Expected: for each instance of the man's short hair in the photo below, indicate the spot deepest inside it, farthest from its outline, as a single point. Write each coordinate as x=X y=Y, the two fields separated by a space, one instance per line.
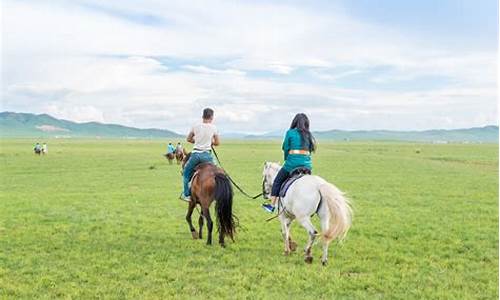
x=208 y=113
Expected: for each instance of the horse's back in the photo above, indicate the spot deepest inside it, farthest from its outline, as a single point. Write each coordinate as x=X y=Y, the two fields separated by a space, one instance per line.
x=303 y=197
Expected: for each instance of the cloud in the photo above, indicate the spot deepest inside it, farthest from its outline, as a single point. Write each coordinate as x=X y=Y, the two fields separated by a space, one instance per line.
x=206 y=70
x=256 y=63
x=81 y=113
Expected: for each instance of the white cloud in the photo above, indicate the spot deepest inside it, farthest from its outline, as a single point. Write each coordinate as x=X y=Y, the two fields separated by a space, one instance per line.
x=80 y=113
x=206 y=70
x=82 y=64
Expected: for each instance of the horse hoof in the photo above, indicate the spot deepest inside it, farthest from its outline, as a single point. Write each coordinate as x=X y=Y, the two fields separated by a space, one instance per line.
x=223 y=245
x=286 y=253
x=324 y=263
x=194 y=234
x=308 y=259
x=293 y=246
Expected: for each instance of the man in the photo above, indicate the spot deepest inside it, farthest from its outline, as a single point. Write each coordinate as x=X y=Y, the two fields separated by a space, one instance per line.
x=44 y=148
x=38 y=148
x=178 y=147
x=203 y=136
x=170 y=148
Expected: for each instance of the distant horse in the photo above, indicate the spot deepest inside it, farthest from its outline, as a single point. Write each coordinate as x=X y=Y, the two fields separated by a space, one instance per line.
x=37 y=151
x=210 y=183
x=170 y=157
x=307 y=196
x=180 y=153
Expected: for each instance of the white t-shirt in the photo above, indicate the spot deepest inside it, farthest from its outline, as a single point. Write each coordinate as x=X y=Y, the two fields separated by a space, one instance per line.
x=203 y=134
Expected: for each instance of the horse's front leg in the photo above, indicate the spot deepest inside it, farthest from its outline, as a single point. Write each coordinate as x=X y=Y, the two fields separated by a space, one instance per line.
x=200 y=222
x=206 y=213
x=191 y=207
x=285 y=230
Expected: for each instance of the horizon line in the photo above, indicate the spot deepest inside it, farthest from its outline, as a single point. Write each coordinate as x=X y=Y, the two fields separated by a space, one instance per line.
x=255 y=133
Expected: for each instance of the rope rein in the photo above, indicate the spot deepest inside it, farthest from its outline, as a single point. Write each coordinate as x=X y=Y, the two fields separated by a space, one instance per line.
x=231 y=179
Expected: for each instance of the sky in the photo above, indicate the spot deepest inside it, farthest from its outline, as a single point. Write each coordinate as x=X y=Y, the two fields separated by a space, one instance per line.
x=365 y=64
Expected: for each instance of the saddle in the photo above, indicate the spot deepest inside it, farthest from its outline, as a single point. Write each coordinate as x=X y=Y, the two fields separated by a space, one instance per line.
x=294 y=175
x=197 y=169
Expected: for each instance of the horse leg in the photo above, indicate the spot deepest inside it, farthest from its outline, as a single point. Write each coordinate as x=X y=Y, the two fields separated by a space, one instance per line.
x=200 y=222
x=188 y=219
x=292 y=245
x=221 y=239
x=306 y=222
x=285 y=230
x=206 y=213
x=325 y=224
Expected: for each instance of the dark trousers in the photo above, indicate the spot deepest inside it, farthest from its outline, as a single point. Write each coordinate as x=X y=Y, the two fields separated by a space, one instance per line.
x=278 y=181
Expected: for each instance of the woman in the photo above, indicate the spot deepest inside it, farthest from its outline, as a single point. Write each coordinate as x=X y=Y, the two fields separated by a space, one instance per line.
x=297 y=147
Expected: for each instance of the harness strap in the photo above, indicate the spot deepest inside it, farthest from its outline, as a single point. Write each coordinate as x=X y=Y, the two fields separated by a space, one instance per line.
x=232 y=181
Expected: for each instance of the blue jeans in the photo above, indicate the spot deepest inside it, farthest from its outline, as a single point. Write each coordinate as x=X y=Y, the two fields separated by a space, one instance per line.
x=195 y=159
x=278 y=181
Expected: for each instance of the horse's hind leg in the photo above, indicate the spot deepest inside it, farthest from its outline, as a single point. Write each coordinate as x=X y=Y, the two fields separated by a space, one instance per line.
x=325 y=224
x=191 y=207
x=306 y=222
x=206 y=213
x=200 y=222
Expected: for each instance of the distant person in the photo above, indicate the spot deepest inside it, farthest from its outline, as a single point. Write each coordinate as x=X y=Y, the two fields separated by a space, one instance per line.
x=178 y=148
x=45 y=150
x=297 y=147
x=37 y=148
x=170 y=148
x=203 y=136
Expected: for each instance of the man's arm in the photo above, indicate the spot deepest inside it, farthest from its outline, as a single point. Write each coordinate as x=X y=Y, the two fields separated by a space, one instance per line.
x=215 y=140
x=190 y=137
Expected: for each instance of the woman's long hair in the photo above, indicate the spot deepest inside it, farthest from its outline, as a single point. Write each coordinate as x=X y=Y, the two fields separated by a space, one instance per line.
x=301 y=123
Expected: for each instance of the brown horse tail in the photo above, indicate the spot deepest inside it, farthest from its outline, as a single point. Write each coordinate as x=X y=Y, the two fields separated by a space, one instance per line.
x=224 y=205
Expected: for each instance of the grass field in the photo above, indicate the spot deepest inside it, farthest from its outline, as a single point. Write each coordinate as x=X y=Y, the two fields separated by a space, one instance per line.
x=101 y=219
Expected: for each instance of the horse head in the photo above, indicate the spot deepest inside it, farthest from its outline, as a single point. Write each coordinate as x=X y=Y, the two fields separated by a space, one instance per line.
x=185 y=159
x=269 y=174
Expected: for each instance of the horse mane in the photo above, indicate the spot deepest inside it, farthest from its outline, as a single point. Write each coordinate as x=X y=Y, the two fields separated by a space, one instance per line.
x=273 y=165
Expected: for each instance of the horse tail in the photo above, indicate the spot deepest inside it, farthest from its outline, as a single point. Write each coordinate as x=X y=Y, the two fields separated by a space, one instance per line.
x=224 y=205
x=340 y=211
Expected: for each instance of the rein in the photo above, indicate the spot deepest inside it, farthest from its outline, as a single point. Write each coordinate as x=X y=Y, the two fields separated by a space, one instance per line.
x=232 y=181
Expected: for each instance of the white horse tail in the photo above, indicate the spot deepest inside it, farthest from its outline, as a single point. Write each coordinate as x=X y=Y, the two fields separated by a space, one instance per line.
x=340 y=211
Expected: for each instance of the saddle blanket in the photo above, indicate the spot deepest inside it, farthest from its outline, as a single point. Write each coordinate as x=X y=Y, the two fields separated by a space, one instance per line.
x=295 y=174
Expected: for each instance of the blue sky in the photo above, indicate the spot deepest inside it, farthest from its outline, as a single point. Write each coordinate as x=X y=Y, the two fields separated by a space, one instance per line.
x=400 y=65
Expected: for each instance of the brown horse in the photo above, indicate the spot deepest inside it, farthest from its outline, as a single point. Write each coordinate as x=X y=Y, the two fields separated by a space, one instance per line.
x=210 y=183
x=170 y=157
x=180 y=154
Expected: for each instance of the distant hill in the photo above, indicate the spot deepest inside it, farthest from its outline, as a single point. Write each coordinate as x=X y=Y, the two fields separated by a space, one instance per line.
x=30 y=125
x=487 y=134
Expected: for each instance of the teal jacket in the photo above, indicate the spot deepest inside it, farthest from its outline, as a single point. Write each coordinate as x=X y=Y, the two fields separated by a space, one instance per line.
x=293 y=141
x=170 y=149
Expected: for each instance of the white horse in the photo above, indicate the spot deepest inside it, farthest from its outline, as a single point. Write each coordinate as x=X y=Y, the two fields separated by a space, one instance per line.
x=307 y=196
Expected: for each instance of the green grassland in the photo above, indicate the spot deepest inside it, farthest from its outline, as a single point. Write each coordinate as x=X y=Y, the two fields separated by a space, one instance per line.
x=101 y=219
